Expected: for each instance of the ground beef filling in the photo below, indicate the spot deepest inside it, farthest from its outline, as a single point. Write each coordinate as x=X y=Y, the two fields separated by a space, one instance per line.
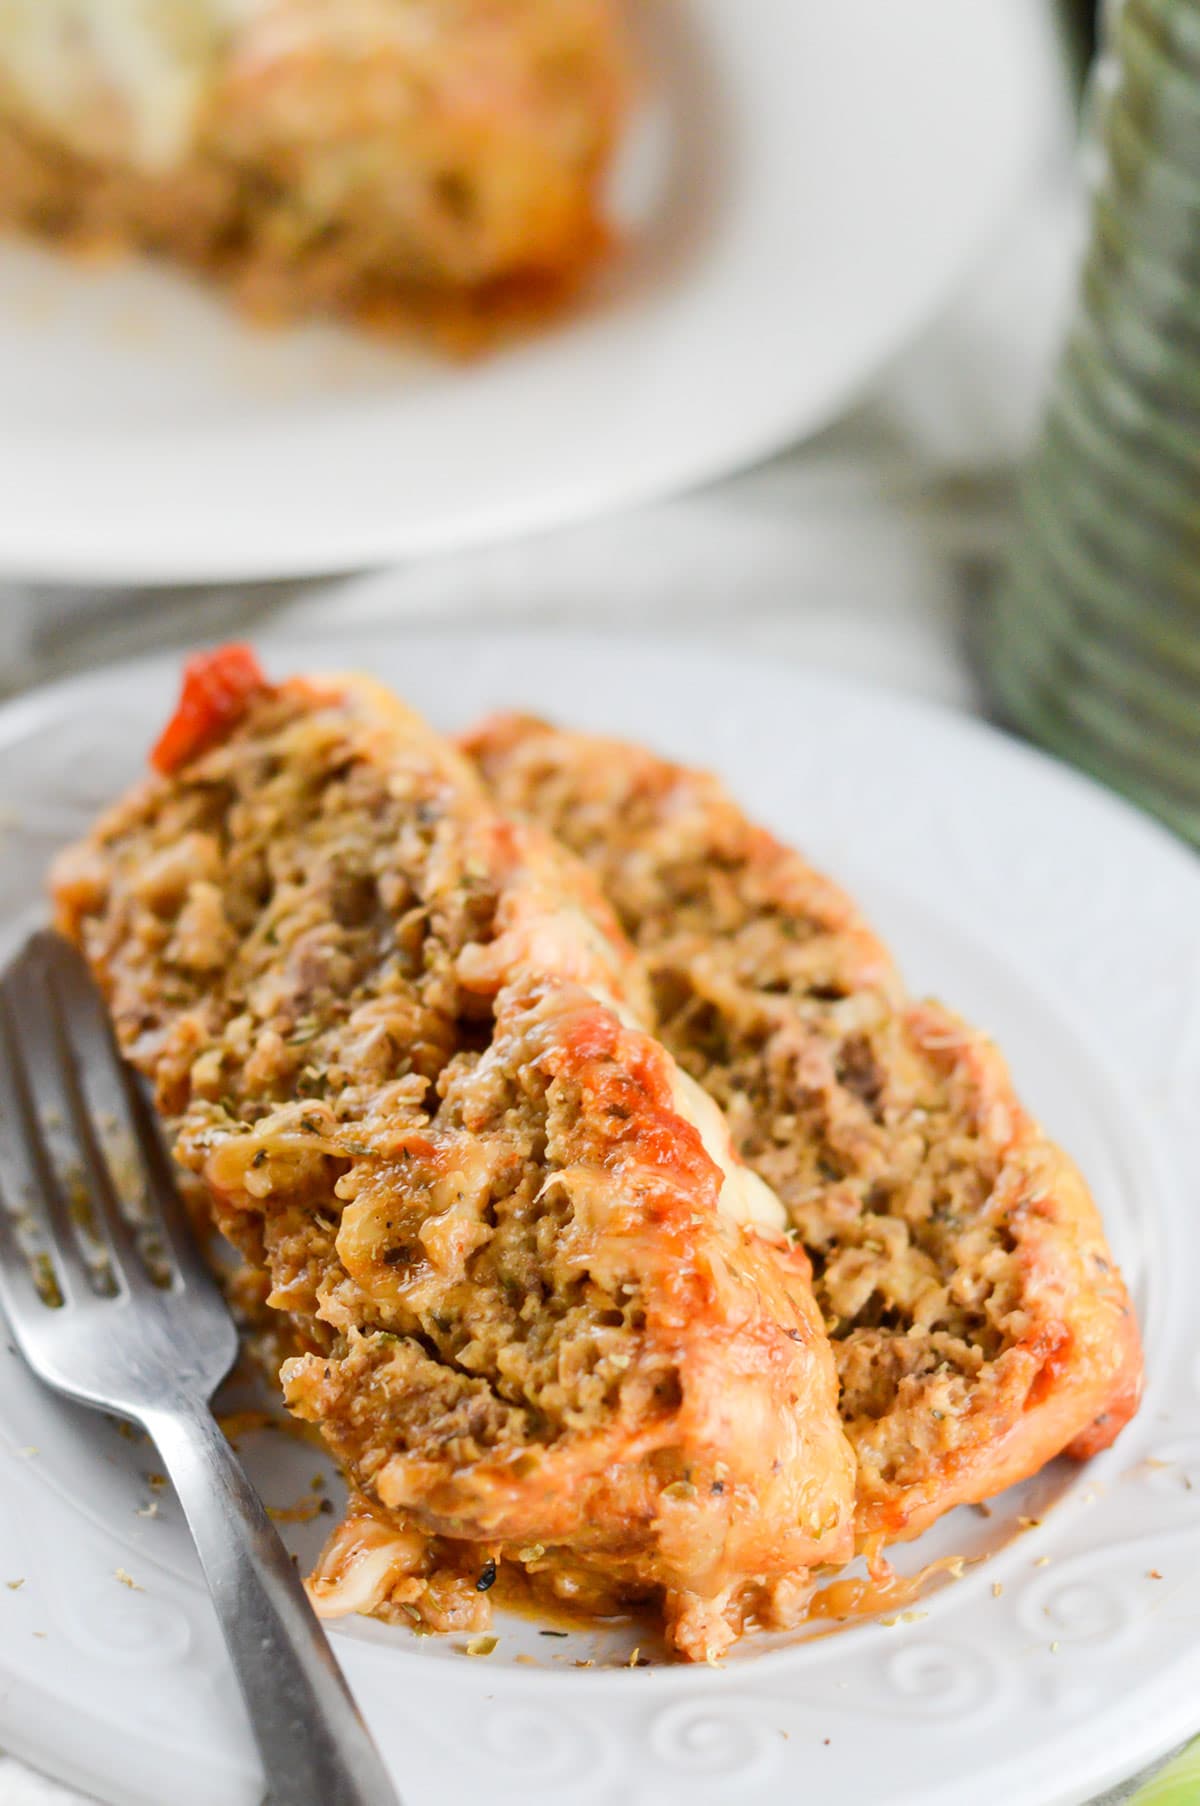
x=298 y=923
x=396 y=1037
x=892 y=1191
x=849 y=1102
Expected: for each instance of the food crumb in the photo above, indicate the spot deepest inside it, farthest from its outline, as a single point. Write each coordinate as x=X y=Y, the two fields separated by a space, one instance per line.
x=14 y=1586
x=997 y=1588
x=912 y=1617
x=827 y=1740
x=302 y=1512
x=1030 y=1523
x=127 y=1580
x=1043 y=1561
x=588 y=1664
x=482 y=1646
x=148 y=1510
x=1152 y=1574
x=39 y=1633
x=1054 y=1649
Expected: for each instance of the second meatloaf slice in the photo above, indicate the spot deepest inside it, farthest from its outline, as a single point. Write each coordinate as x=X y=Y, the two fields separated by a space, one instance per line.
x=979 y=1320
x=541 y=1314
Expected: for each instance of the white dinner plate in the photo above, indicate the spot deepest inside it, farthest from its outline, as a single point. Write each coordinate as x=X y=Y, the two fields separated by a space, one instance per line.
x=802 y=184
x=1066 y=1656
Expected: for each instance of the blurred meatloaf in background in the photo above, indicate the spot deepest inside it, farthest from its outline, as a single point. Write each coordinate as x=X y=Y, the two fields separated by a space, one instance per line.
x=438 y=161
x=978 y=1318
x=540 y=1312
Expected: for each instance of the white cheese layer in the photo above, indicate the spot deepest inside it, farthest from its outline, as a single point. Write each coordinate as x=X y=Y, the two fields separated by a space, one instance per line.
x=115 y=79
x=744 y=1196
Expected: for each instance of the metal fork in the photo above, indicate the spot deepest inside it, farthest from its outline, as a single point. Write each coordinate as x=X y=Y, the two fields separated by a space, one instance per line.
x=111 y=1303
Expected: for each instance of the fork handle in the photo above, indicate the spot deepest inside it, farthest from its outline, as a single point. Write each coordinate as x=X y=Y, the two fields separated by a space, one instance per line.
x=315 y=1749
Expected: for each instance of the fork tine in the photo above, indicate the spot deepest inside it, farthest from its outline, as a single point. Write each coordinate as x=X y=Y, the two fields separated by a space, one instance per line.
x=20 y=1297
x=164 y=1191
x=110 y=1219
x=123 y=1125
x=28 y=1176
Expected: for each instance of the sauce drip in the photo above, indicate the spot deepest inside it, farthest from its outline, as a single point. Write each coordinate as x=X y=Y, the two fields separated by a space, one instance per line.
x=880 y=1589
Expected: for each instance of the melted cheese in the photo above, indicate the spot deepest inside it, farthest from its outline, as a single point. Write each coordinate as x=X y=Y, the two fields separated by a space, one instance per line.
x=882 y=1589
x=115 y=79
x=364 y=1560
x=744 y=1196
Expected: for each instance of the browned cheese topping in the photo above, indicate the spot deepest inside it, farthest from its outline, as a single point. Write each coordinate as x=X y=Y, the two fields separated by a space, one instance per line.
x=538 y=1310
x=979 y=1323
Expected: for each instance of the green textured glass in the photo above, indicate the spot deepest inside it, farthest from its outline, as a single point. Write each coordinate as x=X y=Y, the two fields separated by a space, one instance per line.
x=1092 y=644
x=1176 y=1785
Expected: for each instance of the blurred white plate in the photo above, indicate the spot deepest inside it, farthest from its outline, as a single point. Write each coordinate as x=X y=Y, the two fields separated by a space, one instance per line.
x=1055 y=917
x=804 y=183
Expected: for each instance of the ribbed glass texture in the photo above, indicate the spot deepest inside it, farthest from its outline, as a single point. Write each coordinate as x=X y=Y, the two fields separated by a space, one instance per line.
x=1092 y=643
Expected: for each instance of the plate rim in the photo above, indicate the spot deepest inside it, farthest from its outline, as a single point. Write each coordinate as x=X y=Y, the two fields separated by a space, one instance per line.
x=1161 y=1729
x=302 y=542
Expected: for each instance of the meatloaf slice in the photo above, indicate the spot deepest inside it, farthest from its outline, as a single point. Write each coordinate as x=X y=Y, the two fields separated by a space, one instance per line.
x=979 y=1321
x=541 y=1315
x=430 y=162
